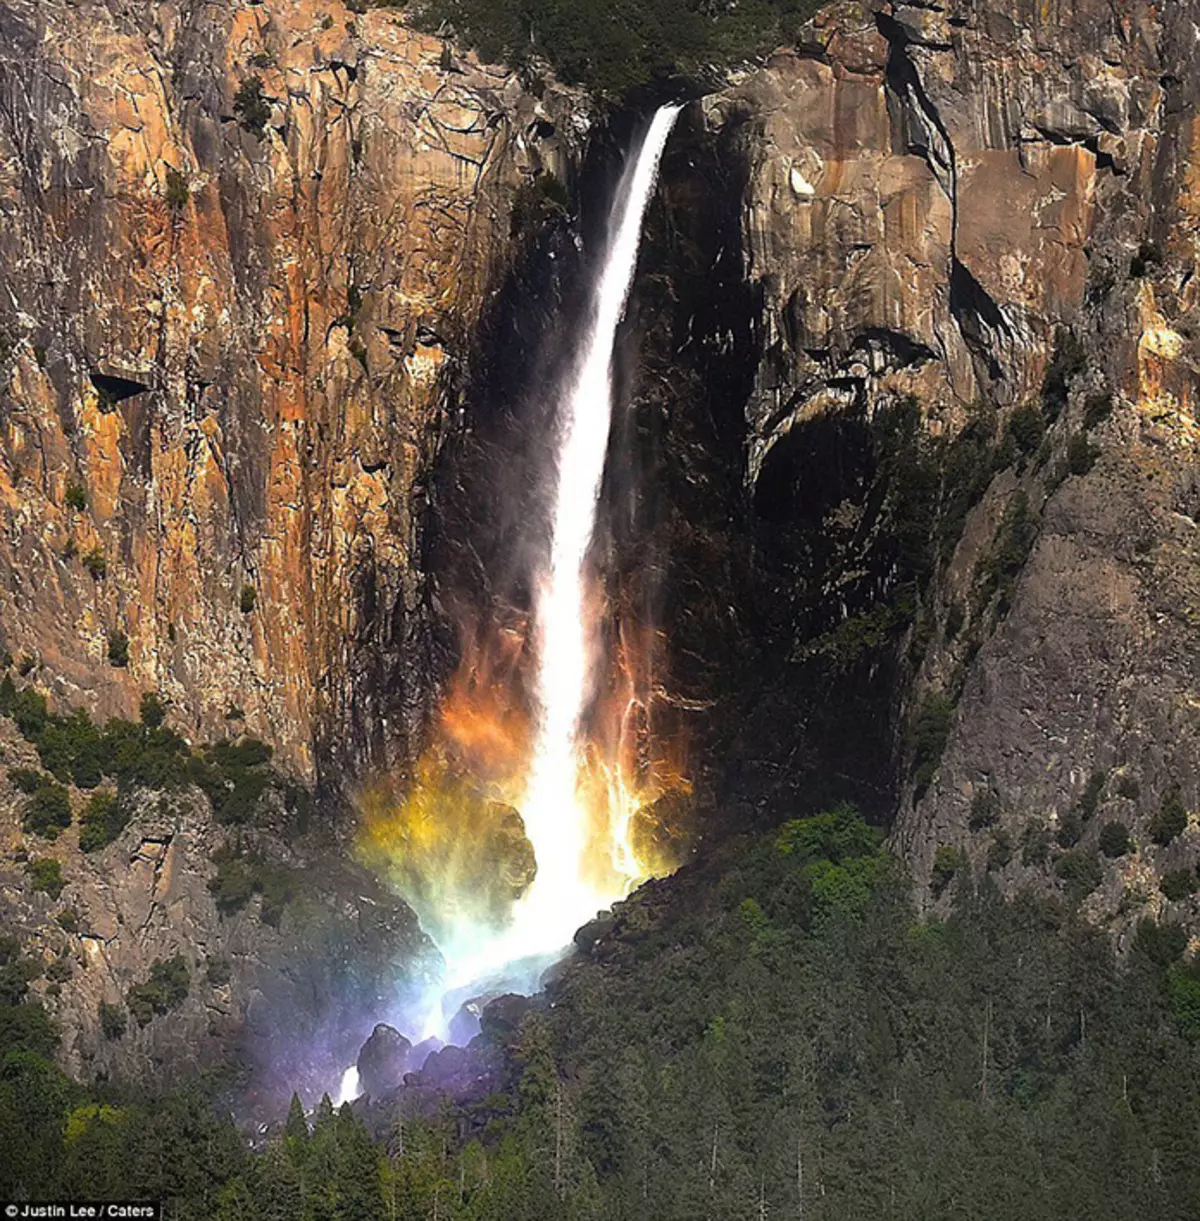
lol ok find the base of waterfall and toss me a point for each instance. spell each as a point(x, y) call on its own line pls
point(443, 1027)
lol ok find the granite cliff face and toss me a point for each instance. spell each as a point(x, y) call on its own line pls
point(230, 322)
point(913, 483)
point(243, 253)
point(993, 209)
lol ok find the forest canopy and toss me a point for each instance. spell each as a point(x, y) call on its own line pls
point(615, 46)
point(769, 1033)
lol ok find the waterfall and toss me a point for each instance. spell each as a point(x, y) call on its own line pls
point(568, 889)
point(556, 825)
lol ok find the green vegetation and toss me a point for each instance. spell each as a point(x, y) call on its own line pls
point(251, 107)
point(1171, 819)
point(1014, 540)
point(1000, 850)
point(1070, 829)
point(1096, 409)
point(240, 876)
point(1035, 843)
point(235, 776)
point(26, 780)
point(46, 875)
point(1027, 427)
point(103, 819)
point(96, 563)
point(47, 811)
point(1067, 363)
point(76, 497)
point(112, 1020)
point(1179, 884)
point(1081, 454)
point(985, 810)
point(166, 989)
point(613, 47)
point(1089, 802)
point(152, 712)
point(118, 649)
point(947, 862)
point(176, 192)
point(1114, 839)
point(931, 731)
point(1081, 871)
point(247, 598)
point(739, 1046)
point(218, 971)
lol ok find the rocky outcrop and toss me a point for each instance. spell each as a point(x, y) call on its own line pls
point(383, 1061)
point(286, 979)
point(244, 249)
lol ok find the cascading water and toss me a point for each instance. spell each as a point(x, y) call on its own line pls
point(561, 896)
point(571, 885)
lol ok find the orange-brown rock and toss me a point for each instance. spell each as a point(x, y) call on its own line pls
point(236, 349)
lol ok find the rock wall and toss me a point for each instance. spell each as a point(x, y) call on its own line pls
point(228, 333)
point(987, 206)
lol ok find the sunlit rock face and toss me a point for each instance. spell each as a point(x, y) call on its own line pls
point(232, 326)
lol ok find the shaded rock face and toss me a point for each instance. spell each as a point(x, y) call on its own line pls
point(383, 1061)
point(983, 207)
point(228, 328)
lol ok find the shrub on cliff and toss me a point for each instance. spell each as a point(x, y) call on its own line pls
point(118, 649)
point(96, 563)
point(1081, 871)
point(103, 819)
point(251, 106)
point(1081, 454)
point(947, 862)
point(152, 711)
point(112, 1020)
point(166, 989)
point(25, 1028)
point(1014, 540)
point(26, 780)
point(1178, 884)
point(1171, 819)
point(1027, 427)
point(930, 733)
point(1067, 362)
point(176, 191)
point(45, 874)
point(240, 876)
point(1114, 839)
point(48, 811)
